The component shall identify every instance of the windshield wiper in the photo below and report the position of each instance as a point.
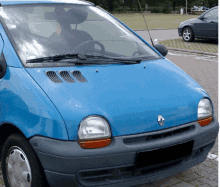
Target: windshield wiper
(126, 60)
(56, 58)
(82, 59)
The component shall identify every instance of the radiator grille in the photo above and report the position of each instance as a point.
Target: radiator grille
(159, 135)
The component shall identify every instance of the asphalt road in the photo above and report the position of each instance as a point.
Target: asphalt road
(203, 69)
(159, 35)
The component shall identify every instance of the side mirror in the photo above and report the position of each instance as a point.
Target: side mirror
(3, 66)
(201, 17)
(162, 49)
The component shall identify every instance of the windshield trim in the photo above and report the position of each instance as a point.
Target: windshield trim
(80, 2)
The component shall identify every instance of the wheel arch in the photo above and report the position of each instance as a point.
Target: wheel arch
(191, 27)
(192, 37)
(18, 140)
(6, 130)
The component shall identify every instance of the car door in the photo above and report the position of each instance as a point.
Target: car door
(208, 24)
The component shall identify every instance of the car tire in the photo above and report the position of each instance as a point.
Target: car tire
(188, 35)
(20, 164)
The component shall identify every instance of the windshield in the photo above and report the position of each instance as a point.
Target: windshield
(40, 31)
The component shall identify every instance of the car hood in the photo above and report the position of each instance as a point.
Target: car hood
(193, 20)
(130, 97)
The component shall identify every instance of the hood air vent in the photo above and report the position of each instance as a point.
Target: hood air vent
(53, 76)
(66, 76)
(79, 77)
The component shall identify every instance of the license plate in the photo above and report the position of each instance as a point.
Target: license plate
(163, 155)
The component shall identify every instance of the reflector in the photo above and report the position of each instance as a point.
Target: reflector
(94, 144)
(204, 122)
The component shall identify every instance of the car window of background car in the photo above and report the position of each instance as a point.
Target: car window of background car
(212, 14)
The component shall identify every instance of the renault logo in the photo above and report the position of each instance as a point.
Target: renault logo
(161, 120)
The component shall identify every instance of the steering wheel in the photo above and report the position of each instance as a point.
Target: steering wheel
(82, 47)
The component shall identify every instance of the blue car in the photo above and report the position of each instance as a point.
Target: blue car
(85, 101)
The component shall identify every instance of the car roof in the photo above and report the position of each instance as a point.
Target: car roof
(10, 2)
(211, 9)
(214, 7)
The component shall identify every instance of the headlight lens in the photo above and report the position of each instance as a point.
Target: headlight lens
(204, 109)
(94, 127)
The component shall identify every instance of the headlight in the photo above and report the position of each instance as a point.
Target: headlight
(205, 112)
(204, 109)
(94, 132)
(94, 127)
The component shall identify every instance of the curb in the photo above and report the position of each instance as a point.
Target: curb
(192, 51)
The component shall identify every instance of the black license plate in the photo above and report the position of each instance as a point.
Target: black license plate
(163, 155)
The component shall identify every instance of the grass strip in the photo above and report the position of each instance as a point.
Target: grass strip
(154, 21)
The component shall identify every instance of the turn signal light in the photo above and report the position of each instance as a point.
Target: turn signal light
(94, 144)
(204, 122)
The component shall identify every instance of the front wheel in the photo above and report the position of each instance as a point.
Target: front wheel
(20, 164)
(188, 35)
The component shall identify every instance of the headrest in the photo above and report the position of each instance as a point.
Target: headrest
(76, 15)
(72, 16)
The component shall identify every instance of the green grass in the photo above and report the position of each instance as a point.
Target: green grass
(197, 45)
(154, 21)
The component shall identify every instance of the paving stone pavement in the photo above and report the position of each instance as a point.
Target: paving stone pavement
(200, 45)
(206, 173)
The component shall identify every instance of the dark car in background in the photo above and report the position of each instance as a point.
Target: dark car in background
(205, 26)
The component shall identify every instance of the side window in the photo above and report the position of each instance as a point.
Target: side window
(212, 14)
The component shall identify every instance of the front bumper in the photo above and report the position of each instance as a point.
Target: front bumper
(66, 164)
(180, 31)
